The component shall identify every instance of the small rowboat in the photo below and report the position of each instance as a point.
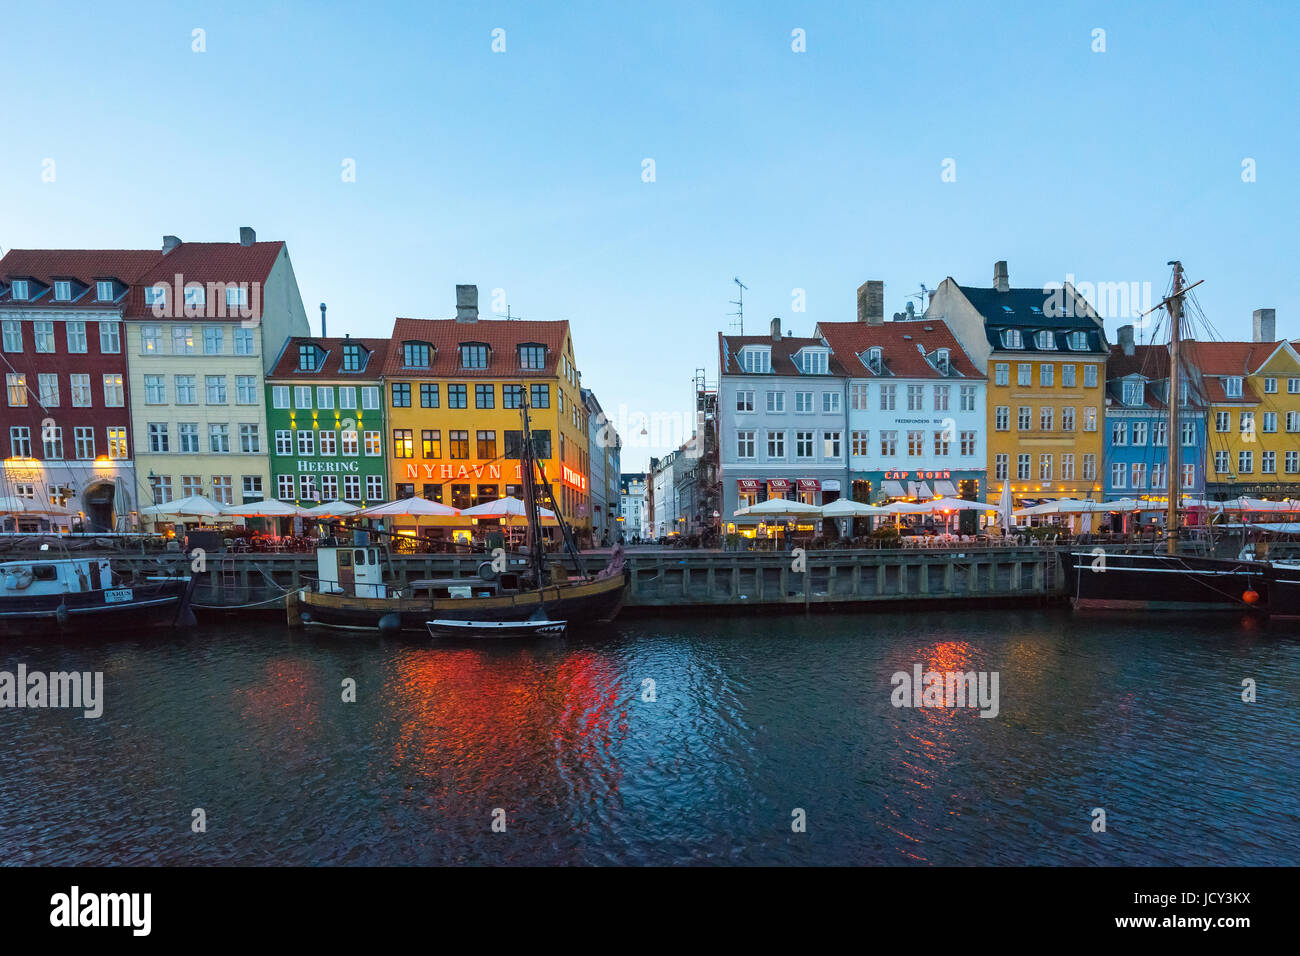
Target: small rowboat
(491, 629)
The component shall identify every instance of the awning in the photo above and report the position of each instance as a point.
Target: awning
(749, 484)
(809, 484)
(893, 489)
(778, 484)
(919, 489)
(945, 488)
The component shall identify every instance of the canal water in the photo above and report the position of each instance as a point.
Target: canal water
(751, 719)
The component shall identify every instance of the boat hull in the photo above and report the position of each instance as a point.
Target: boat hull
(1161, 582)
(480, 630)
(151, 605)
(576, 602)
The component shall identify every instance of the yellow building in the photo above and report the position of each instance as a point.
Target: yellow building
(455, 393)
(1044, 352)
(1253, 393)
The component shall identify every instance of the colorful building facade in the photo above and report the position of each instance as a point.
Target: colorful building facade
(326, 420)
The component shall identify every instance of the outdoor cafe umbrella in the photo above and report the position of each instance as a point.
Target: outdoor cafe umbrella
(263, 509)
(409, 508)
(331, 509)
(1004, 507)
(507, 507)
(1059, 506)
(780, 508)
(194, 506)
(13, 505)
(848, 508)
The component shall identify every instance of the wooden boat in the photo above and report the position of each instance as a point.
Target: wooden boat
(88, 594)
(496, 629)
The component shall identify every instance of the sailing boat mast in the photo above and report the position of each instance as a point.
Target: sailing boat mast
(538, 546)
(1174, 480)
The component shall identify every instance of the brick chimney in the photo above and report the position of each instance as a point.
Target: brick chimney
(247, 236)
(1001, 281)
(871, 302)
(1126, 339)
(776, 329)
(1265, 325)
(170, 243)
(466, 303)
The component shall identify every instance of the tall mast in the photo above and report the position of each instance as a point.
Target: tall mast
(1175, 386)
(537, 546)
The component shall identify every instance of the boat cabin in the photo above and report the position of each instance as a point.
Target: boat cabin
(55, 576)
(353, 571)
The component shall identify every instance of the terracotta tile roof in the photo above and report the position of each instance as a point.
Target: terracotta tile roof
(1149, 361)
(1217, 394)
(220, 262)
(1229, 358)
(900, 344)
(332, 366)
(783, 353)
(502, 336)
(83, 265)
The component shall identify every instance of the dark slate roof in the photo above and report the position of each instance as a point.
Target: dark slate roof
(1031, 311)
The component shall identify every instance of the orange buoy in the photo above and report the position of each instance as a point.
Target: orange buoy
(1250, 596)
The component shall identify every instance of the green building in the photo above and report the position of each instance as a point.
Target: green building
(325, 419)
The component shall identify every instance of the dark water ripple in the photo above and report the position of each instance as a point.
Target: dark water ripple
(754, 717)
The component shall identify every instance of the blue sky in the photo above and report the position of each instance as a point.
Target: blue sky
(522, 170)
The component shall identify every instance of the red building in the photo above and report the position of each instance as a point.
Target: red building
(66, 437)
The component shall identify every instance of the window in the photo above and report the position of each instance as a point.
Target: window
(1293, 386)
(1222, 421)
(219, 439)
(831, 402)
(1089, 467)
(1067, 467)
(1245, 462)
(803, 444)
(1045, 340)
(161, 488)
(76, 336)
(1268, 462)
(1022, 467)
(401, 392)
(532, 357)
(1090, 376)
(1012, 339)
(284, 441)
(1046, 375)
(1292, 462)
(1293, 421)
(20, 441)
(16, 383)
(485, 396)
(403, 443)
(351, 358)
(250, 442)
(1067, 418)
(1024, 418)
(216, 389)
(1247, 423)
(431, 443)
(415, 354)
(1045, 467)
(1270, 424)
(1133, 393)
(348, 441)
(915, 398)
(329, 487)
(858, 443)
(888, 394)
(1139, 475)
(1025, 374)
(279, 396)
(151, 339)
(1221, 462)
(512, 396)
(348, 397)
(244, 342)
(1090, 418)
(328, 441)
(223, 490)
(246, 389)
(159, 442)
(375, 487)
(967, 443)
(473, 355)
(815, 362)
(1000, 466)
(1067, 376)
(458, 444)
(13, 336)
(457, 396)
(487, 445)
(19, 290)
(236, 296)
(745, 400)
(1119, 433)
(252, 490)
(104, 290)
(194, 296)
(79, 383)
(756, 360)
(1002, 373)
(214, 340)
(1189, 429)
(371, 439)
(307, 442)
(857, 398)
(968, 398)
(47, 388)
(187, 392)
(43, 333)
(1078, 341)
(941, 443)
(307, 487)
(888, 443)
(831, 445)
(187, 434)
(1119, 475)
(916, 443)
(1189, 476)
(1046, 416)
(1270, 386)
(1159, 475)
(352, 487)
(117, 443)
(744, 444)
(182, 340)
(1002, 418)
(1232, 386)
(1159, 434)
(114, 391)
(52, 440)
(302, 395)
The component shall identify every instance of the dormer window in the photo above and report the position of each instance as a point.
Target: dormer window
(532, 357)
(1045, 340)
(942, 361)
(308, 357)
(19, 290)
(155, 295)
(62, 290)
(875, 359)
(104, 290)
(1132, 393)
(473, 355)
(194, 295)
(352, 358)
(814, 362)
(1012, 339)
(1232, 387)
(236, 296)
(416, 354)
(1078, 341)
(756, 361)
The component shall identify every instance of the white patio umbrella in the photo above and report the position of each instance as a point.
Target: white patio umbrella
(1004, 507)
(263, 509)
(959, 504)
(848, 508)
(409, 508)
(331, 509)
(1059, 506)
(194, 506)
(780, 508)
(13, 505)
(507, 507)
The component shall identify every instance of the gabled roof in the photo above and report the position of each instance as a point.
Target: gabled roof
(83, 265)
(1149, 361)
(231, 263)
(1016, 307)
(1230, 358)
(783, 352)
(898, 342)
(502, 336)
(332, 365)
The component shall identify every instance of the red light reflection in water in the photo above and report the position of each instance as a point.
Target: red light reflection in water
(482, 725)
(288, 695)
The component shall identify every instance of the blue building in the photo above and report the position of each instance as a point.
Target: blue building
(1137, 425)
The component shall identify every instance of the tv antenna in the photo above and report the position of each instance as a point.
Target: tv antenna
(739, 303)
(923, 297)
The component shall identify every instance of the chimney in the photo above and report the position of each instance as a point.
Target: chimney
(871, 302)
(1001, 281)
(1126, 339)
(323, 333)
(170, 243)
(247, 236)
(1266, 325)
(466, 303)
(776, 329)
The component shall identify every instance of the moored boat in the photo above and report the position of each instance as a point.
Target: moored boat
(88, 594)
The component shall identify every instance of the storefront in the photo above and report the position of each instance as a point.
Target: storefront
(875, 487)
(809, 491)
